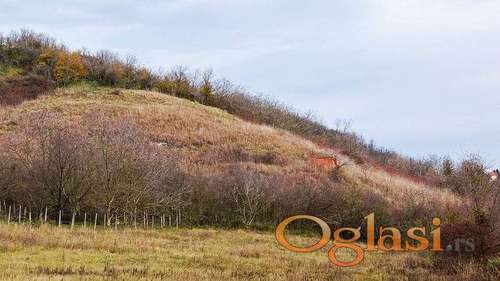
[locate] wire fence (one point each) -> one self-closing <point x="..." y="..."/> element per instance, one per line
<point x="17" y="214"/>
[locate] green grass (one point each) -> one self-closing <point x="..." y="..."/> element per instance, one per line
<point x="8" y="72"/>
<point x="51" y="253"/>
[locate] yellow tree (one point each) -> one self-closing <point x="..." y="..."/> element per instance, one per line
<point x="69" y="68"/>
<point x="44" y="65"/>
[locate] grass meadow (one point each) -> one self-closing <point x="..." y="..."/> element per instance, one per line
<point x="53" y="253"/>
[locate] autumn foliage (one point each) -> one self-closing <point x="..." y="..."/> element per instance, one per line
<point x="69" y="68"/>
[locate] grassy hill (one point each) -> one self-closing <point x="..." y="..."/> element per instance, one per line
<point x="208" y="141"/>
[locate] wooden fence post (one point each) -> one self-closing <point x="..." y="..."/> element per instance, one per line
<point x="73" y="220"/>
<point x="144" y="219"/>
<point x="177" y="221"/>
<point x="135" y="218"/>
<point x="60" y="218"/>
<point x="95" y="222"/>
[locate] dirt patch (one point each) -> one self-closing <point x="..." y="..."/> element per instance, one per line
<point x="325" y="162"/>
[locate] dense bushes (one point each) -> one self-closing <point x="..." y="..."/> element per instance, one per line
<point x="69" y="68"/>
<point x="16" y="90"/>
<point x="480" y="220"/>
<point x="21" y="49"/>
<point x="108" y="166"/>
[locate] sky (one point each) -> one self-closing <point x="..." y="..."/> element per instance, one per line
<point x="420" y="77"/>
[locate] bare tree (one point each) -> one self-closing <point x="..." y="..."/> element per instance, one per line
<point x="52" y="157"/>
<point x="249" y="197"/>
<point x="471" y="181"/>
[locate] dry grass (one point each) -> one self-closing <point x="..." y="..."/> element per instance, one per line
<point x="175" y="254"/>
<point x="51" y="253"/>
<point x="169" y="120"/>
<point x="400" y="191"/>
<point x="211" y="137"/>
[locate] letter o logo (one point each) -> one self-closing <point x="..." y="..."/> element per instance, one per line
<point x="325" y="237"/>
<point x="360" y="255"/>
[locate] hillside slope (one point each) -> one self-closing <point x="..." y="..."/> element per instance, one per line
<point x="209" y="142"/>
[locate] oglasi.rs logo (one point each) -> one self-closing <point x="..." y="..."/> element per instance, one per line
<point x="417" y="240"/>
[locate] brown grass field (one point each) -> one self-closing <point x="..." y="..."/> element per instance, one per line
<point x="51" y="253"/>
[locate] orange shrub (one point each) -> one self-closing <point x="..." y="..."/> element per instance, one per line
<point x="69" y="68"/>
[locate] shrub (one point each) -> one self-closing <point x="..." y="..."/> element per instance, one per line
<point x="177" y="83"/>
<point x="20" y="49"/>
<point x="480" y="218"/>
<point x="69" y="68"/>
<point x="15" y="91"/>
<point x="46" y="62"/>
<point x="104" y="68"/>
<point x="143" y="79"/>
<point x="9" y="73"/>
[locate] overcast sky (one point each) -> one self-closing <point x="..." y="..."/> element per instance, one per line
<point x="421" y="77"/>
